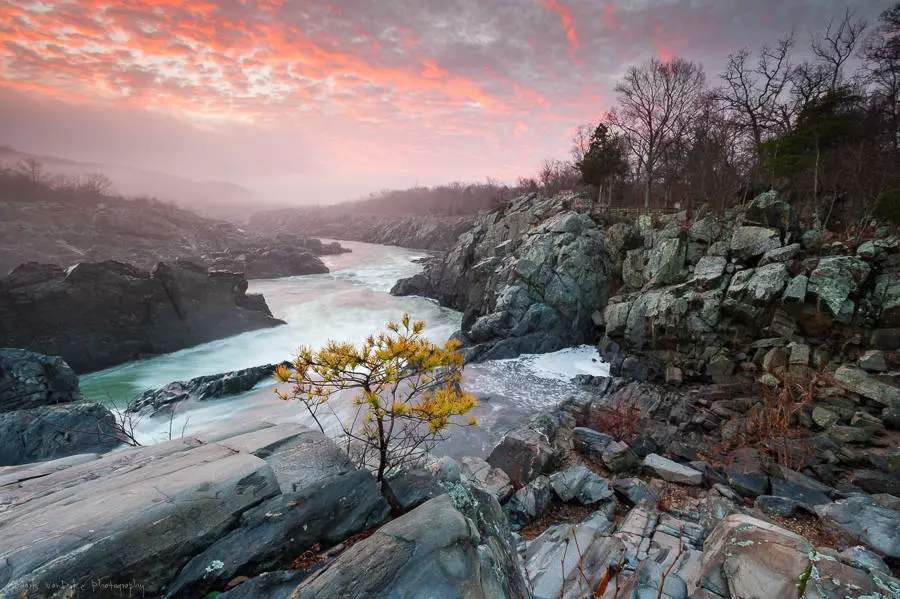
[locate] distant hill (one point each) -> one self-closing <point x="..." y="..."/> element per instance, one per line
<point x="215" y="199"/>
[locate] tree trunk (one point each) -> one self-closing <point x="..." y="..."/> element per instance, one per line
<point x="647" y="192"/>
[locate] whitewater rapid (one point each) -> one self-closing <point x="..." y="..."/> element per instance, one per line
<point x="347" y="304"/>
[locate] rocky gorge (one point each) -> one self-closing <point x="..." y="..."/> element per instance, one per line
<point x="745" y="446"/>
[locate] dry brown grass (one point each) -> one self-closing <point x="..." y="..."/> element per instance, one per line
<point x="773" y="426"/>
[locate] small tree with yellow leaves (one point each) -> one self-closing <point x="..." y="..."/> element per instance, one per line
<point x="407" y="390"/>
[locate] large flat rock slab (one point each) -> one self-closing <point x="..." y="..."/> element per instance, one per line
<point x="140" y="514"/>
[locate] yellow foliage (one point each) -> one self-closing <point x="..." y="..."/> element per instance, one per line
<point x="408" y="386"/>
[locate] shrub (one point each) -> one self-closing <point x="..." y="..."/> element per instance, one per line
<point x="407" y="391"/>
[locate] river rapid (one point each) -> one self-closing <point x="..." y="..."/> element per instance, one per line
<point x="347" y="304"/>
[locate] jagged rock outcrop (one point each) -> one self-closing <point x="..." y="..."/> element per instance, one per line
<point x="201" y="388"/>
<point x="42" y="414"/>
<point x="96" y="315"/>
<point x="700" y="300"/>
<point x="30" y="380"/>
<point x="421" y="232"/>
<point x="530" y="279"/>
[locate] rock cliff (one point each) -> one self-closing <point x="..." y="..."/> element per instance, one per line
<point x="95" y="315"/>
<point x="530" y="279"/>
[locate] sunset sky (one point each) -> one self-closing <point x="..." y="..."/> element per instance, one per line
<point x="311" y="101"/>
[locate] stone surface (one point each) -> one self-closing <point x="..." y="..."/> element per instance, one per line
<point x="776" y="506"/>
<point x="325" y="510"/>
<point x="553" y="565"/>
<point x="579" y="483"/>
<point x="751" y="242"/>
<point x="672" y="471"/>
<point x="861" y="382"/>
<point x="454" y="545"/>
<point x="523" y="454"/>
<point x="478" y="473"/>
<point x="96" y="315"/>
<point x="56" y="431"/>
<point x="862" y="518"/>
<point x="30" y="380"/>
<point x="530" y="502"/>
<point x="141" y="514"/>
<point x="760" y="560"/>
<point x="540" y="294"/>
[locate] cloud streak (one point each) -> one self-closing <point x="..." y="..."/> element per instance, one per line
<point x="402" y="92"/>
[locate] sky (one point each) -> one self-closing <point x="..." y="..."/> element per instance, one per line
<point x="310" y="101"/>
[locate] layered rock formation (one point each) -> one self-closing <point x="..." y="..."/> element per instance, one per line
<point x="195" y="515"/>
<point x="438" y="233"/>
<point x="531" y="279"/>
<point x="42" y="414"/>
<point x="96" y="315"/>
<point x="201" y="388"/>
<point x="710" y="295"/>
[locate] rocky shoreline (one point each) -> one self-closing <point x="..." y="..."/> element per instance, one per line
<point x="745" y="446"/>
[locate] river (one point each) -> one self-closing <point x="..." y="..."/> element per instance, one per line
<point x="347" y="304"/>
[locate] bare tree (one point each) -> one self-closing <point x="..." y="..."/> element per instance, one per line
<point x="95" y="184"/>
<point x="32" y="169"/>
<point x="836" y="45"/>
<point x="657" y="101"/>
<point x="755" y="94"/>
<point x="581" y="141"/>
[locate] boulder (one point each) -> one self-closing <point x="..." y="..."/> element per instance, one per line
<point x="770" y="210"/>
<point x="56" y="431"/>
<point x="580" y="484"/>
<point x="523" y="454"/>
<point x="873" y="361"/>
<point x="760" y="559"/>
<point x="751" y="242"/>
<point x="862" y="518"/>
<point x="859" y="381"/>
<point x="666" y="262"/>
<point x="751" y="291"/>
<point x="782" y="254"/>
<point x="834" y="280"/>
<point x="454" y="545"/>
<point x="530" y="502"/>
<point x="412" y="488"/>
<point x="886" y="297"/>
<point x="672" y="471"/>
<point x="30" y="380"/>
<point x="201" y="388"/>
<point x="96" y="315"/>
<point x="635" y="491"/>
<point x="478" y="473"/>
<point x="709" y="272"/>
